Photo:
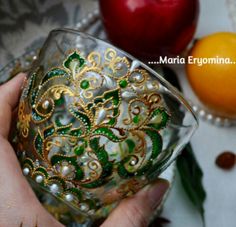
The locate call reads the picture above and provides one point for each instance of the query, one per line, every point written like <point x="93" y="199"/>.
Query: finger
<point x="137" y="210"/>
<point x="9" y="96"/>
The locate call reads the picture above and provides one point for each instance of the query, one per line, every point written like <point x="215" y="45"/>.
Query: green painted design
<point x="74" y="56"/>
<point x="156" y="142"/>
<point x="29" y="163"/>
<point x="75" y="191"/>
<point x="81" y="117"/>
<point x="160" y="118"/>
<point x="59" y="180"/>
<point x="86" y="134"/>
<point x="79" y="150"/>
<point x="107" y="133"/>
<point x="63" y="130"/>
<point x="58" y="122"/>
<point x="36" y="117"/>
<point x="114" y="95"/>
<point x="55" y="159"/>
<point x="76" y="132"/>
<point x="122" y="171"/>
<point x="131" y="145"/>
<point x="39" y="144"/>
<point x="156" y="150"/>
<point x="107" y="166"/>
<point x="84" y="84"/>
<point x="33" y="97"/>
<point x="158" y="167"/>
<point x="123" y="83"/>
<point x="94" y="143"/>
<point x="48" y="132"/>
<point x="136" y="119"/>
<point x="60" y="101"/>
<point x="53" y="73"/>
<point x="145" y="168"/>
<point x="42" y="170"/>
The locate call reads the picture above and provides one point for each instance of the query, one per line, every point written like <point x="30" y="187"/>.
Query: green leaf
<point x="191" y="178"/>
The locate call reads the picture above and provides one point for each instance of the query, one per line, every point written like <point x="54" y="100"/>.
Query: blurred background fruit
<point x="150" y="28"/>
<point x="215" y="84"/>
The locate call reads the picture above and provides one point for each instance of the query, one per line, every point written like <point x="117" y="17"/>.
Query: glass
<point x="95" y="125"/>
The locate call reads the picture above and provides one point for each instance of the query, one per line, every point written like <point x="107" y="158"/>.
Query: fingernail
<point x="156" y="192"/>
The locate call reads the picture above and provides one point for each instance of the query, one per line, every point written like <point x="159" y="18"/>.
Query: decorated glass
<point x="95" y="125"/>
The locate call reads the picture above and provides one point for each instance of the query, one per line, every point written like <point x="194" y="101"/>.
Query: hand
<point x="20" y="207"/>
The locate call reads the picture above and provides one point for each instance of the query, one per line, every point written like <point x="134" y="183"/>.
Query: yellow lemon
<point x="215" y="82"/>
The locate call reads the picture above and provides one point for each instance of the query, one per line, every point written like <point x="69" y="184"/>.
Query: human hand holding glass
<point x="20" y="207"/>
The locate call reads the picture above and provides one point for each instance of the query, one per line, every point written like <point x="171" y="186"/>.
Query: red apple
<point x="150" y="28"/>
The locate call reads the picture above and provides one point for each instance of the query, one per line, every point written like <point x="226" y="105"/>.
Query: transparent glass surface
<point x="95" y="125"/>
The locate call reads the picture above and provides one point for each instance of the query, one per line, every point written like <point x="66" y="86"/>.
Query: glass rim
<point x="167" y="84"/>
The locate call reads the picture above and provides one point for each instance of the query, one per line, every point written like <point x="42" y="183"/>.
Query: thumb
<point x="137" y="210"/>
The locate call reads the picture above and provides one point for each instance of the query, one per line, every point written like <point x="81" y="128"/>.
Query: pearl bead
<point x="37" y="162"/>
<point x="195" y="108"/>
<point x="69" y="197"/>
<point x="91" y="212"/>
<point x="65" y="170"/>
<point x="54" y="188"/>
<point x="202" y="113"/>
<point x="83" y="207"/>
<point x="39" y="179"/>
<point x="143" y="178"/>
<point x="218" y="121"/>
<point x="45" y="104"/>
<point x="209" y="117"/>
<point x="133" y="162"/>
<point x="26" y="171"/>
<point x="135" y="64"/>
